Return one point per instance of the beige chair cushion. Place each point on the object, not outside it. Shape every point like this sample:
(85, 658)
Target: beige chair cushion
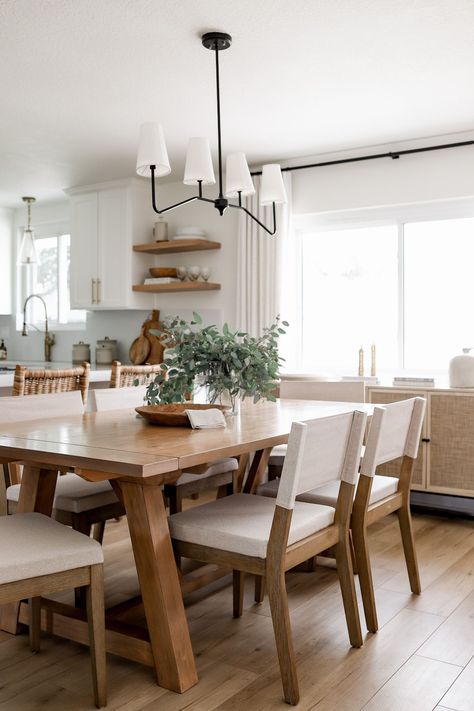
(74, 494)
(222, 466)
(277, 457)
(382, 486)
(32, 545)
(241, 523)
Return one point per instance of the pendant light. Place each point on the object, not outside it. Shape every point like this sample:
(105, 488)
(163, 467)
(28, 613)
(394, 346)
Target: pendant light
(27, 254)
(152, 160)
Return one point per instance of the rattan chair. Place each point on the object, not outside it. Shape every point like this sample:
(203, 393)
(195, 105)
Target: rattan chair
(124, 376)
(43, 382)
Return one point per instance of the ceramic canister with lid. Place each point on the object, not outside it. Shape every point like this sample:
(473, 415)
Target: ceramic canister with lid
(461, 370)
(106, 351)
(81, 352)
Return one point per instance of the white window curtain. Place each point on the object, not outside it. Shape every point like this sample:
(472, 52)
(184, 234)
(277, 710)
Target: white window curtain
(261, 264)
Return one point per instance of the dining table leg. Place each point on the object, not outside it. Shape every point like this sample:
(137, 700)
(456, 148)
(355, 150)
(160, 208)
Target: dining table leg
(161, 592)
(38, 486)
(257, 470)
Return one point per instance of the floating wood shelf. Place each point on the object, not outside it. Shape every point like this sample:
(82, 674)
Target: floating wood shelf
(175, 246)
(175, 286)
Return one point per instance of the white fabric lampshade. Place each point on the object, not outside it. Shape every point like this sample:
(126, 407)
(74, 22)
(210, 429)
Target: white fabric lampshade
(237, 176)
(152, 150)
(199, 163)
(272, 188)
(27, 253)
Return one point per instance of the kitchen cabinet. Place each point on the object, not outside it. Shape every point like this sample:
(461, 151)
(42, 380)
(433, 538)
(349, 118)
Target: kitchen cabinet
(106, 221)
(445, 463)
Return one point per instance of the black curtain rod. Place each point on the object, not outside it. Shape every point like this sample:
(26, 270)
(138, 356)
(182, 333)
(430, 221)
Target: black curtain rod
(394, 155)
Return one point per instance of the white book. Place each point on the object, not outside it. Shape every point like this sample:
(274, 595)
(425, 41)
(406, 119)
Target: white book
(160, 280)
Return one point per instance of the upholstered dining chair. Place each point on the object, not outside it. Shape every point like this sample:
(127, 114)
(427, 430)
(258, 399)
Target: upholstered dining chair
(39, 556)
(330, 390)
(216, 475)
(263, 536)
(78, 503)
(394, 432)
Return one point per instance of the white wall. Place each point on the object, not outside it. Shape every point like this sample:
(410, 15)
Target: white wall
(6, 228)
(418, 178)
(214, 306)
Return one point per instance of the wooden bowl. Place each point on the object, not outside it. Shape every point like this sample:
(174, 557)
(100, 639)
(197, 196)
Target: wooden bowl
(163, 272)
(173, 415)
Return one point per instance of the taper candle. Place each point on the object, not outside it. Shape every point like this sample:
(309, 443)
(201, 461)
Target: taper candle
(361, 361)
(373, 365)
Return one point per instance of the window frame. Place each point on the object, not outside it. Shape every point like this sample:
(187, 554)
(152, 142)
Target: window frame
(397, 215)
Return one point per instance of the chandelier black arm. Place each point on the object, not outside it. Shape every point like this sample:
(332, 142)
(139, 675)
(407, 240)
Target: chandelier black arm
(171, 207)
(247, 212)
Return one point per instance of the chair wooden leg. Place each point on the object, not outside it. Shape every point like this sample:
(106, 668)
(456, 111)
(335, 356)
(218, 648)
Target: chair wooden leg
(406, 529)
(238, 585)
(35, 623)
(259, 588)
(281, 625)
(349, 598)
(353, 555)
(176, 504)
(81, 523)
(96, 623)
(98, 531)
(359, 537)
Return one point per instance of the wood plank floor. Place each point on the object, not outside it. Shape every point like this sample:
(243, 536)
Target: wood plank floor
(421, 659)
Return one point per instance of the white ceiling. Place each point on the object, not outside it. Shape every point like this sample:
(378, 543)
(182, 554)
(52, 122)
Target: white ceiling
(77, 77)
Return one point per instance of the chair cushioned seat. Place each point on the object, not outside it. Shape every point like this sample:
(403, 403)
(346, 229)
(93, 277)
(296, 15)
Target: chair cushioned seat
(32, 544)
(222, 466)
(277, 456)
(382, 486)
(241, 523)
(74, 494)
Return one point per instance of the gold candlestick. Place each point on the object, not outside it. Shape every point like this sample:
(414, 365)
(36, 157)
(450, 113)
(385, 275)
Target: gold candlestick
(373, 365)
(361, 361)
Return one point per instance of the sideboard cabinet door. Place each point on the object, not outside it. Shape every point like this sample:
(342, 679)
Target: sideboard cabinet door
(451, 465)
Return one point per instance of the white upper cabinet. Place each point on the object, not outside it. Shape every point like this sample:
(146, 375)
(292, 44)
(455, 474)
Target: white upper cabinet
(104, 227)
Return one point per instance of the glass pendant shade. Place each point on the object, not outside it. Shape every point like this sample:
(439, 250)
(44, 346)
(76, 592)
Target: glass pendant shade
(27, 253)
(199, 163)
(272, 188)
(152, 150)
(237, 176)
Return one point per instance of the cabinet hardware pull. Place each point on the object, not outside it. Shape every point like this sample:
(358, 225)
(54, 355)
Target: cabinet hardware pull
(425, 439)
(93, 299)
(98, 291)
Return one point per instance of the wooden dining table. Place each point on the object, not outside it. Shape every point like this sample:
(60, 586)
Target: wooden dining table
(137, 458)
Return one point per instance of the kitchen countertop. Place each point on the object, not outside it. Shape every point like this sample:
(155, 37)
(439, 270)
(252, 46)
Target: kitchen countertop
(99, 373)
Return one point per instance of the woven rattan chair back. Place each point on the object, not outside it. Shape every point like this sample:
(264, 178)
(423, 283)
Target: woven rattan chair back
(124, 376)
(43, 382)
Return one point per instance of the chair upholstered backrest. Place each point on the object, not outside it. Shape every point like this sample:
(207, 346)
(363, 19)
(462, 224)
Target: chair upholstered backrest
(41, 381)
(124, 376)
(394, 432)
(22, 409)
(335, 390)
(321, 451)
(117, 398)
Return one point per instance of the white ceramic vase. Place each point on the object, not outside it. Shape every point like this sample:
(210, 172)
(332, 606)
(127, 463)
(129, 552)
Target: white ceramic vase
(461, 370)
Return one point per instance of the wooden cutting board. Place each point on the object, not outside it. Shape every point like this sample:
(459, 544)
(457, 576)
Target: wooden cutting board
(155, 355)
(140, 349)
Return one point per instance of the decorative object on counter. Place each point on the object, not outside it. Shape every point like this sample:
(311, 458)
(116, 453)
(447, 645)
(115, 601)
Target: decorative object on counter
(140, 348)
(461, 370)
(159, 272)
(205, 273)
(106, 351)
(3, 350)
(49, 338)
(228, 364)
(160, 231)
(370, 379)
(173, 414)
(414, 381)
(152, 160)
(373, 363)
(147, 347)
(81, 352)
(27, 254)
(361, 361)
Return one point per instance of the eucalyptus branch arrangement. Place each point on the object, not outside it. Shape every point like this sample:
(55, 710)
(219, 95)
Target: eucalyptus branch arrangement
(230, 362)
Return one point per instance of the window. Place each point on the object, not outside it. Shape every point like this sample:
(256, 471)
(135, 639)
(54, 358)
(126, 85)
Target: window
(50, 279)
(404, 286)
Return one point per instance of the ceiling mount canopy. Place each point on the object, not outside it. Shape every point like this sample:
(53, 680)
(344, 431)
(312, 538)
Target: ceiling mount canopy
(27, 254)
(153, 162)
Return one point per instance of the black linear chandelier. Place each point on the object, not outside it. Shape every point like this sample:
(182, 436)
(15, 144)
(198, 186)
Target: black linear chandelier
(153, 160)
